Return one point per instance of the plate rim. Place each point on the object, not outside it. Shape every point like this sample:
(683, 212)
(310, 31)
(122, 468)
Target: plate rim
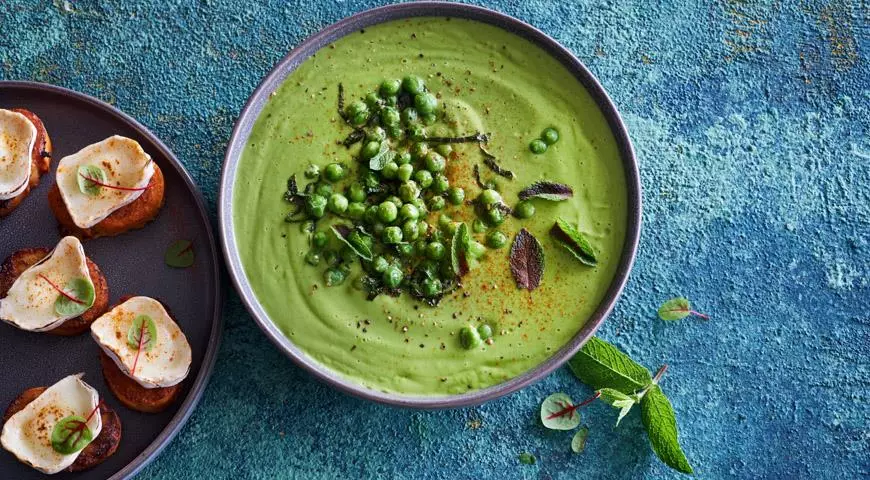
(301, 52)
(191, 401)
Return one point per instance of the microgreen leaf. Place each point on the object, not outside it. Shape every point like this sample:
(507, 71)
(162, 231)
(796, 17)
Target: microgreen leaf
(84, 178)
(75, 299)
(355, 240)
(527, 458)
(574, 241)
(547, 191)
(601, 365)
(382, 158)
(578, 442)
(142, 326)
(180, 254)
(678, 309)
(527, 260)
(558, 412)
(71, 434)
(661, 427)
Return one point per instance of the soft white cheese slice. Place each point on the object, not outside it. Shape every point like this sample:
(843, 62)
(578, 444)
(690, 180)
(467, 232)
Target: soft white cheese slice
(29, 304)
(168, 361)
(125, 164)
(17, 136)
(27, 434)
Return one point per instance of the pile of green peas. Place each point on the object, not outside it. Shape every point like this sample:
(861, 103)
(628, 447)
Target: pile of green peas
(548, 137)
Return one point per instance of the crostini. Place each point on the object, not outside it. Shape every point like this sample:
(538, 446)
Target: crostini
(145, 355)
(106, 189)
(61, 291)
(25, 154)
(62, 427)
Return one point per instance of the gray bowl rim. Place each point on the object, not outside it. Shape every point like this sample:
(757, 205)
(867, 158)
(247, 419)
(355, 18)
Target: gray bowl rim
(206, 369)
(367, 18)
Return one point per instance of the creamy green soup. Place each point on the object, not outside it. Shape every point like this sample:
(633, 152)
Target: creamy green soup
(487, 80)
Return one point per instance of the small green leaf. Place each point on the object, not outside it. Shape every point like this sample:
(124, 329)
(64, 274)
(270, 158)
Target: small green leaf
(70, 434)
(527, 260)
(458, 246)
(356, 241)
(143, 328)
(86, 186)
(180, 254)
(82, 290)
(601, 365)
(559, 413)
(382, 158)
(675, 309)
(527, 458)
(618, 400)
(575, 242)
(661, 427)
(578, 443)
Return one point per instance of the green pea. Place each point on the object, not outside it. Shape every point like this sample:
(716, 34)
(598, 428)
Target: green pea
(440, 183)
(376, 134)
(431, 287)
(434, 162)
(393, 276)
(409, 116)
(356, 210)
(315, 206)
(370, 180)
(538, 146)
(455, 195)
(437, 203)
(489, 197)
(416, 132)
(435, 250)
(323, 189)
(444, 221)
(423, 178)
(451, 228)
(337, 203)
(380, 264)
(312, 171)
(494, 216)
(378, 228)
(409, 212)
(307, 226)
(356, 108)
(372, 100)
(390, 117)
(387, 212)
(478, 226)
(312, 258)
(419, 150)
(392, 235)
(370, 149)
(496, 239)
(423, 227)
(413, 84)
(396, 200)
(425, 102)
(390, 170)
(330, 256)
(390, 87)
(359, 119)
(319, 239)
(409, 191)
(371, 215)
(445, 149)
(333, 172)
(428, 119)
(524, 209)
(410, 231)
(395, 131)
(428, 268)
(405, 171)
(403, 158)
(475, 249)
(469, 337)
(356, 192)
(334, 276)
(405, 249)
(391, 101)
(485, 331)
(550, 136)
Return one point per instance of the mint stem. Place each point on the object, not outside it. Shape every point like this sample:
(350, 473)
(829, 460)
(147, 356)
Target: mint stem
(660, 373)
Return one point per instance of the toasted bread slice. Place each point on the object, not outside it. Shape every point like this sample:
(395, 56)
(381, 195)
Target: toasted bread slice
(98, 450)
(133, 395)
(129, 217)
(18, 262)
(40, 161)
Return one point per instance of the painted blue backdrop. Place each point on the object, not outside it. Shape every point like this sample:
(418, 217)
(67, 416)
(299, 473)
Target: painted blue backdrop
(750, 120)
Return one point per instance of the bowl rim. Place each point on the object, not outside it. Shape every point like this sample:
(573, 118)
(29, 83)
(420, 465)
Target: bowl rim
(367, 18)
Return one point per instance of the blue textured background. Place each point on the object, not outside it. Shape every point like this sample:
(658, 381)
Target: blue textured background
(750, 120)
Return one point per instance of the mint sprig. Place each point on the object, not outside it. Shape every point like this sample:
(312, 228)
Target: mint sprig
(660, 422)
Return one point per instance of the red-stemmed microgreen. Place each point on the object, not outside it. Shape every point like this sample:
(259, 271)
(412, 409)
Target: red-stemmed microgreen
(180, 254)
(101, 183)
(142, 335)
(559, 412)
(678, 309)
(75, 299)
(71, 434)
(60, 290)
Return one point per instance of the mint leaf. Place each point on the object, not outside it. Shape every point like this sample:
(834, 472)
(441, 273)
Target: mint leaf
(179, 254)
(527, 458)
(619, 400)
(547, 191)
(355, 240)
(558, 412)
(601, 365)
(578, 443)
(382, 158)
(661, 427)
(527, 260)
(575, 242)
(678, 309)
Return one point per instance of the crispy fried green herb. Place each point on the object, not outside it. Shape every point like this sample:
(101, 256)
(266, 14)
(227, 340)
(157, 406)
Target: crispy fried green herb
(575, 242)
(527, 260)
(547, 190)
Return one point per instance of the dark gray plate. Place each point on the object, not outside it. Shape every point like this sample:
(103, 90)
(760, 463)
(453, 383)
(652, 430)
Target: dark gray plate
(132, 263)
(384, 14)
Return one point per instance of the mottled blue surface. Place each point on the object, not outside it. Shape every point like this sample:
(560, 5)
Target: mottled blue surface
(750, 120)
